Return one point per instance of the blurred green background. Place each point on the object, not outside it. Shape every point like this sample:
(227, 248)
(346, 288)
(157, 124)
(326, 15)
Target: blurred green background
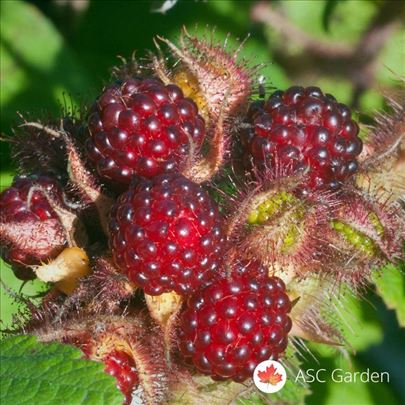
(59, 53)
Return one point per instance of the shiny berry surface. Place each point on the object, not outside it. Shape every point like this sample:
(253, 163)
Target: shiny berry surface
(22, 203)
(166, 234)
(234, 324)
(142, 127)
(308, 130)
(122, 366)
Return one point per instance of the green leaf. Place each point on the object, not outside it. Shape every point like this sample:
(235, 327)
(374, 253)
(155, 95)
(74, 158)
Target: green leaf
(350, 18)
(390, 284)
(38, 69)
(9, 305)
(50, 374)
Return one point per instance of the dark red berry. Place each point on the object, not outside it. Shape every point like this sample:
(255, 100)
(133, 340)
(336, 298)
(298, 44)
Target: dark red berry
(142, 127)
(165, 233)
(122, 366)
(229, 327)
(22, 203)
(308, 130)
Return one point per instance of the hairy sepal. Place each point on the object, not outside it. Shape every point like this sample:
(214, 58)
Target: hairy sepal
(214, 74)
(383, 165)
(386, 136)
(105, 290)
(73, 227)
(33, 152)
(280, 229)
(40, 240)
(81, 178)
(85, 183)
(251, 194)
(203, 168)
(365, 233)
(220, 86)
(99, 336)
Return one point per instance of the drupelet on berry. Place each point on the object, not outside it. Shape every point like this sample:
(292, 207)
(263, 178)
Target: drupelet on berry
(229, 327)
(307, 129)
(142, 127)
(166, 234)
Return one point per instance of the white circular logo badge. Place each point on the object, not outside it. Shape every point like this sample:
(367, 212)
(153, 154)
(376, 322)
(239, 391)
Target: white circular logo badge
(269, 376)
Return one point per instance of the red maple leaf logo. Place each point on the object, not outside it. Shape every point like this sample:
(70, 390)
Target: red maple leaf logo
(270, 376)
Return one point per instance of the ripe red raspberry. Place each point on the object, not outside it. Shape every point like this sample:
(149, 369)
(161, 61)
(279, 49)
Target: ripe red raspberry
(122, 366)
(19, 203)
(166, 234)
(231, 326)
(308, 129)
(142, 127)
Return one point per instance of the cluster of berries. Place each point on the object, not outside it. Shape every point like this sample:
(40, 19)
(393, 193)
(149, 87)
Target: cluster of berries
(143, 170)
